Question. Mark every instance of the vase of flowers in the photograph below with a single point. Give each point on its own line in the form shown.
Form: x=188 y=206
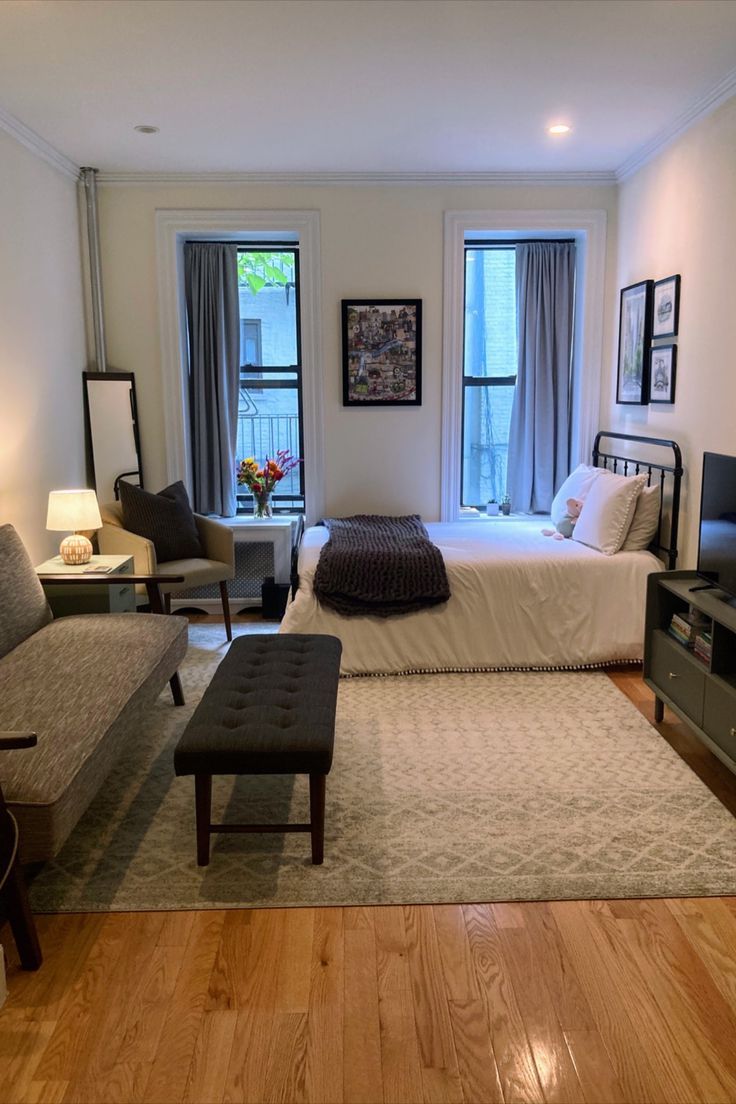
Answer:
x=262 y=505
x=261 y=481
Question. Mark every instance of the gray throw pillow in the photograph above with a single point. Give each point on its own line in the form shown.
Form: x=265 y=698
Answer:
x=165 y=518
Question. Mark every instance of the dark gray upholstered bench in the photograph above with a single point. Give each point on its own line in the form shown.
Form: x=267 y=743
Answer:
x=270 y=709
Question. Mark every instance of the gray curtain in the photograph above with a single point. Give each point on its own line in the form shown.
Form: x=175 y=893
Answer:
x=539 y=437
x=213 y=317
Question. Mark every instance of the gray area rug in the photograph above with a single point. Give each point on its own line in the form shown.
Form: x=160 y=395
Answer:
x=444 y=788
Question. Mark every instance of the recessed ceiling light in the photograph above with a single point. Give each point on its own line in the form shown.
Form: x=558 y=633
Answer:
x=559 y=128
x=145 y=128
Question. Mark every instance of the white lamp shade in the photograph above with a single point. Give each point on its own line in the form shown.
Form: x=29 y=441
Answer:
x=73 y=510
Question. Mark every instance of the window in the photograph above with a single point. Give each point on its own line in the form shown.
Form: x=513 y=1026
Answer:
x=270 y=398
x=250 y=341
x=489 y=369
x=467 y=229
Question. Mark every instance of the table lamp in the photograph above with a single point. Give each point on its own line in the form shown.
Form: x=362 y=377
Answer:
x=75 y=510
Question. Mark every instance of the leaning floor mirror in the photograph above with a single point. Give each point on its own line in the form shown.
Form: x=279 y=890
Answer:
x=113 y=441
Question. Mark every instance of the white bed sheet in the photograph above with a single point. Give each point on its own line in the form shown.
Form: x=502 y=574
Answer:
x=519 y=599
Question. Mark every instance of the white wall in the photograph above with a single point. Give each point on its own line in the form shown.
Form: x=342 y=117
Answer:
x=678 y=214
x=42 y=343
x=376 y=241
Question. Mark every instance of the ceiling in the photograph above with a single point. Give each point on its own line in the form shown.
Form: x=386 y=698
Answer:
x=360 y=86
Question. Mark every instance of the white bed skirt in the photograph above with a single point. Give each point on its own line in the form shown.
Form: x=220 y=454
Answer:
x=519 y=600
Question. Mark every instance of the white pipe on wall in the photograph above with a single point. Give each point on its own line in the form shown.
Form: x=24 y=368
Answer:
x=89 y=180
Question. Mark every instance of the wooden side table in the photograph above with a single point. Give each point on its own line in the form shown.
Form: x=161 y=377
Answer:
x=92 y=598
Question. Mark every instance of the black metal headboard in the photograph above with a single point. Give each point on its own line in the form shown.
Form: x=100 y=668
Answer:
x=669 y=498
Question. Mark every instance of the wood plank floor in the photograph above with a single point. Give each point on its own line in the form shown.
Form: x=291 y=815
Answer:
x=565 y=1001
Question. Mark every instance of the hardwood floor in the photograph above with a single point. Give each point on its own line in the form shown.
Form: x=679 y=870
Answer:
x=589 y=1001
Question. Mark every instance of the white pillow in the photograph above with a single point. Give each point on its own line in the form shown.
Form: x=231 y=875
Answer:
x=607 y=512
x=577 y=485
x=644 y=523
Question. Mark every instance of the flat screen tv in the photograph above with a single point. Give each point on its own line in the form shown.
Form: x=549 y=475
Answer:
x=717 y=547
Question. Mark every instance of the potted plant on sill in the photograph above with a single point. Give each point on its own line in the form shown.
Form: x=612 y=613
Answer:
x=492 y=508
x=506 y=505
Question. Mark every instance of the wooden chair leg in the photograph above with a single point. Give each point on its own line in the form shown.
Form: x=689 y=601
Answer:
x=176 y=691
x=21 y=919
x=226 y=608
x=317 y=815
x=167 y=603
x=203 y=804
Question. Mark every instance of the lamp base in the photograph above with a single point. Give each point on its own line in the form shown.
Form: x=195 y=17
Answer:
x=76 y=549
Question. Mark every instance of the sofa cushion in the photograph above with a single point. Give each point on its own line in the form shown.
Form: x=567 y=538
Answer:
x=23 y=606
x=165 y=518
x=81 y=684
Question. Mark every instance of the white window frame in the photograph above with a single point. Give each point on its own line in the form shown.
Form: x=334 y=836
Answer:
x=173 y=228
x=588 y=228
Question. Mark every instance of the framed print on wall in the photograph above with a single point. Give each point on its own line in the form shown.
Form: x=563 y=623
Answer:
x=666 y=307
x=662 y=374
x=634 y=339
x=382 y=352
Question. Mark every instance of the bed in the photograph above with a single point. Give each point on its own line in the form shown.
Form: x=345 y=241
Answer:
x=520 y=600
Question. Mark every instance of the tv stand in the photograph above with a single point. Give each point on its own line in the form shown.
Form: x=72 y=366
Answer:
x=702 y=694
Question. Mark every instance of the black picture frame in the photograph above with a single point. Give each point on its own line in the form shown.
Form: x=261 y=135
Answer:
x=662 y=373
x=381 y=352
x=634 y=340
x=666 y=307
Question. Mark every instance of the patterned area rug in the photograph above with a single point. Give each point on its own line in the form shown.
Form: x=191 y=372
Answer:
x=444 y=788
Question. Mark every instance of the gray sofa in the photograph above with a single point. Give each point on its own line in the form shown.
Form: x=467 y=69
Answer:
x=82 y=684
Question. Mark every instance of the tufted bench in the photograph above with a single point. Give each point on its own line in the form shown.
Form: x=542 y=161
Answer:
x=270 y=709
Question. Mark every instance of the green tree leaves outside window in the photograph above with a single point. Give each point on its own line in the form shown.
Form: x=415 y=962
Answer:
x=259 y=270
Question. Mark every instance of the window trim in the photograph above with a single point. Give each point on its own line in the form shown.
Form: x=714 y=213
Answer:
x=173 y=228
x=476 y=381
x=588 y=227
x=266 y=370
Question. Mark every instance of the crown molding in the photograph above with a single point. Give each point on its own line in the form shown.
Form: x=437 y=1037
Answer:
x=356 y=178
x=703 y=107
x=38 y=145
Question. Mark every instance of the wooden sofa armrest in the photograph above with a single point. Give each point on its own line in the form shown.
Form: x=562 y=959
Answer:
x=152 y=583
x=11 y=741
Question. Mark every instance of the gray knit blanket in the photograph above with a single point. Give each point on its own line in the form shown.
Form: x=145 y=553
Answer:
x=379 y=565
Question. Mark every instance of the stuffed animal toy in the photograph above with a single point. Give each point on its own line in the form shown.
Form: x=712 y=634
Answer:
x=566 y=524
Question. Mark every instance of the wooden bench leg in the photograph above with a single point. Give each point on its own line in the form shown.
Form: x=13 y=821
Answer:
x=176 y=691
x=21 y=920
x=226 y=609
x=203 y=803
x=317 y=815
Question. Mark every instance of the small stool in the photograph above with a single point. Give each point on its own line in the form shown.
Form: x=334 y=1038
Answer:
x=270 y=709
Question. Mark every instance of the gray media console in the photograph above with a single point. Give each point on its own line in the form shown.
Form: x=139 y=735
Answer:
x=702 y=691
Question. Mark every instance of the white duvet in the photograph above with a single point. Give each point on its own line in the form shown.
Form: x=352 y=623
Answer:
x=519 y=599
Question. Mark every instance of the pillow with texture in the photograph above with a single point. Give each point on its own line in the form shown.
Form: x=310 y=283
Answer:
x=607 y=512
x=577 y=485
x=644 y=523
x=165 y=518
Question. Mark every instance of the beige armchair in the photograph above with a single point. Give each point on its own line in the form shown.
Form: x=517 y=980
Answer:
x=217 y=541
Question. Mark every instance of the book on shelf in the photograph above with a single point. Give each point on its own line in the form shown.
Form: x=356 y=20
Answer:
x=685 y=627
x=703 y=646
